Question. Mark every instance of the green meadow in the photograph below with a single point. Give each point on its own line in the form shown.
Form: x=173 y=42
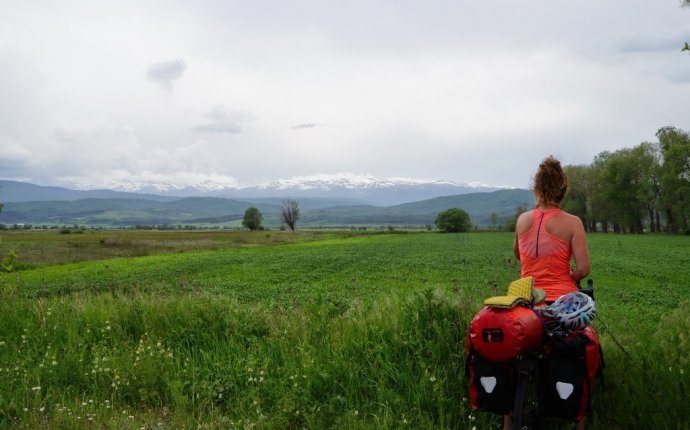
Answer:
x=316 y=330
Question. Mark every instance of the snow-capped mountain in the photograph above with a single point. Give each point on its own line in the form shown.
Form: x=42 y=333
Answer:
x=352 y=181
x=363 y=188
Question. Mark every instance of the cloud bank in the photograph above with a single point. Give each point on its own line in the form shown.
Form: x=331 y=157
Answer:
x=463 y=91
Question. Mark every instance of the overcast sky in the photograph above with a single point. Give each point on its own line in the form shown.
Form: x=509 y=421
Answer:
x=101 y=93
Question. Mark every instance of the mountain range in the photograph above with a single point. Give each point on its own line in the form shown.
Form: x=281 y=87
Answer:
x=323 y=204
x=365 y=189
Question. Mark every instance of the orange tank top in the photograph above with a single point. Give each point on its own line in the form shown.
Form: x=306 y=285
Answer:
x=545 y=257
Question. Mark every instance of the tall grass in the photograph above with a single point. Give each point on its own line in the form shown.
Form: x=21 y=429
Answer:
x=176 y=361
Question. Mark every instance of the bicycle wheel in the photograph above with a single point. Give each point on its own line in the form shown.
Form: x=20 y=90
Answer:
x=527 y=412
x=519 y=401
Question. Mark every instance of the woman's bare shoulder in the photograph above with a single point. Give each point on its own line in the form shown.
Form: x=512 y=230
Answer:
x=571 y=218
x=524 y=222
x=573 y=222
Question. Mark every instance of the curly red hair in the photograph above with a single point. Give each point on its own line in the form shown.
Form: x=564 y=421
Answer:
x=550 y=182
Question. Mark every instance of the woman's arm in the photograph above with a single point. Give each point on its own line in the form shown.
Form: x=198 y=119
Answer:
x=578 y=243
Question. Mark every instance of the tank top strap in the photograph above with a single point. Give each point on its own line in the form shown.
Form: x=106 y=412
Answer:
x=541 y=218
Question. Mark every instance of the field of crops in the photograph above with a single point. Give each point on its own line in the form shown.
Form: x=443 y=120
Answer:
x=274 y=330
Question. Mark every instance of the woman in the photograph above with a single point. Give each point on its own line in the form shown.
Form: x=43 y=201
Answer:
x=548 y=238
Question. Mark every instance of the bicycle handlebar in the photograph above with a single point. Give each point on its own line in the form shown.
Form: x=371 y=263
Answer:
x=590 y=288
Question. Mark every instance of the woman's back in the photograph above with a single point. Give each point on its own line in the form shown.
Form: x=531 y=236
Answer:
x=544 y=248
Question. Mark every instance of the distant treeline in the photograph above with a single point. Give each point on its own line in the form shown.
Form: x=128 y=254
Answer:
x=633 y=190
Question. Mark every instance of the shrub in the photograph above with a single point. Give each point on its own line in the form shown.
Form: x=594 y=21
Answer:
x=453 y=220
x=252 y=219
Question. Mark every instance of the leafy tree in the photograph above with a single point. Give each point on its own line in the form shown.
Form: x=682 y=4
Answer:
x=600 y=207
x=577 y=198
x=626 y=184
x=494 y=220
x=647 y=158
x=289 y=213
x=512 y=221
x=453 y=220
x=675 y=177
x=252 y=219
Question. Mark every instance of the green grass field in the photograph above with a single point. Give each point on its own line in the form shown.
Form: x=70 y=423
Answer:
x=274 y=330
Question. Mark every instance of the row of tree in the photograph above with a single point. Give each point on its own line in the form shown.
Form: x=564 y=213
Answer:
x=645 y=188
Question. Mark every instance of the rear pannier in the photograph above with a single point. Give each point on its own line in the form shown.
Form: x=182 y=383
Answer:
x=572 y=364
x=491 y=384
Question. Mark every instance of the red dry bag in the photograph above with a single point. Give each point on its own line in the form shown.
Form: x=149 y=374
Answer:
x=500 y=334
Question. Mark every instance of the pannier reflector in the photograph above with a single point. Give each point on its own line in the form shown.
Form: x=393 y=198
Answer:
x=564 y=389
x=488 y=382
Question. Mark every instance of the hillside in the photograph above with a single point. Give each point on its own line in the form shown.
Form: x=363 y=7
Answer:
x=13 y=191
x=362 y=189
x=118 y=212
x=479 y=206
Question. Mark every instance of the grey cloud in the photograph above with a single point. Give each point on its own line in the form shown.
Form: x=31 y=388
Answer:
x=305 y=125
x=164 y=74
x=223 y=120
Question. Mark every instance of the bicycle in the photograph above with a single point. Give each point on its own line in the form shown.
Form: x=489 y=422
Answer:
x=527 y=409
